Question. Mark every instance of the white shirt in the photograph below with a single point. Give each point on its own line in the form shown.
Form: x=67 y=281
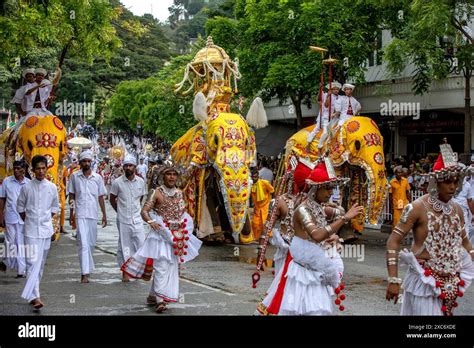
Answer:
x=44 y=93
x=10 y=190
x=87 y=192
x=38 y=199
x=19 y=97
x=266 y=174
x=334 y=99
x=342 y=106
x=464 y=195
x=142 y=169
x=471 y=184
x=128 y=198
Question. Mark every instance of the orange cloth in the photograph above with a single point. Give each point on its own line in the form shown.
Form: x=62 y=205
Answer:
x=399 y=189
x=261 y=196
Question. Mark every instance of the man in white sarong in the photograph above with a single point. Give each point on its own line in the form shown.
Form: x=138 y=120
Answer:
x=37 y=204
x=440 y=266
x=125 y=197
x=11 y=220
x=169 y=243
x=86 y=193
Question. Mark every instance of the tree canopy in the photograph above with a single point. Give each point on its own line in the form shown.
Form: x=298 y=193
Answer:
x=429 y=35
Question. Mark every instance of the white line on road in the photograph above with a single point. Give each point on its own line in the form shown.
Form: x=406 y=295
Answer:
x=209 y=287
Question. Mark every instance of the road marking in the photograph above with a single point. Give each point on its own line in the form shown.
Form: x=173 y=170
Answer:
x=205 y=286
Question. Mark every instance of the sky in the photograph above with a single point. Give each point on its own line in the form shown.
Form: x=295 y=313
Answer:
x=158 y=8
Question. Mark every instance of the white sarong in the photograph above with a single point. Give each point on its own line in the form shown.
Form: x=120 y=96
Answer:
x=36 y=257
x=131 y=238
x=312 y=276
x=15 y=248
x=282 y=249
x=158 y=246
x=86 y=239
x=420 y=294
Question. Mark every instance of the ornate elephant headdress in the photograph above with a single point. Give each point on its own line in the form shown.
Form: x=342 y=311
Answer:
x=211 y=75
x=210 y=64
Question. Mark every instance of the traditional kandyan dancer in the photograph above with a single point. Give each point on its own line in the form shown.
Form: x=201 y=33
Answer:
x=440 y=266
x=282 y=232
x=313 y=272
x=169 y=243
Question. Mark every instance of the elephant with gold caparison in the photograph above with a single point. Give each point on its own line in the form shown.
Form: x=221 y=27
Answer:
x=37 y=135
x=356 y=151
x=217 y=152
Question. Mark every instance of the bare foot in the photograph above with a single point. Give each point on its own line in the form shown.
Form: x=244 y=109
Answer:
x=160 y=307
x=3 y=267
x=85 y=278
x=125 y=277
x=37 y=304
x=151 y=300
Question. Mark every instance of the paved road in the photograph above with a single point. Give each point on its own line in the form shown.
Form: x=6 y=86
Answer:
x=218 y=282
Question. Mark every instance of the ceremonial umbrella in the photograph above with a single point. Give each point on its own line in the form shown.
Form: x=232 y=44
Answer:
x=79 y=142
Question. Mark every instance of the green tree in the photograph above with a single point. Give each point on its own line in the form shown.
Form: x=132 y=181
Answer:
x=225 y=33
x=27 y=28
x=275 y=36
x=153 y=103
x=144 y=50
x=434 y=37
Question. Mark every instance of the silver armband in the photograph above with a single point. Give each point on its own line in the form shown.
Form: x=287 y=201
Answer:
x=329 y=230
x=394 y=280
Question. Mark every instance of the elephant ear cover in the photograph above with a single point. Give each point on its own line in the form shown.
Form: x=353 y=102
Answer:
x=257 y=117
x=200 y=107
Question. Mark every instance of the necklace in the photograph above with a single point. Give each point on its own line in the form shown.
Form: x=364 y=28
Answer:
x=439 y=206
x=169 y=192
x=317 y=212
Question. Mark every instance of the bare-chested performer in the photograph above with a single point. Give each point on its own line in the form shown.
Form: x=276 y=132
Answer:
x=440 y=266
x=169 y=242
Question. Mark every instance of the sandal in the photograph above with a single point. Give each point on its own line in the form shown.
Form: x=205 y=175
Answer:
x=160 y=307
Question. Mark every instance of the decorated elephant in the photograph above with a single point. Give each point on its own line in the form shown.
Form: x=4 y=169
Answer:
x=356 y=150
x=217 y=152
x=37 y=135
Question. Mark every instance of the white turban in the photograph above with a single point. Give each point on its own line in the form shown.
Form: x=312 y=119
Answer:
x=28 y=71
x=334 y=84
x=86 y=155
x=129 y=159
x=41 y=71
x=348 y=85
